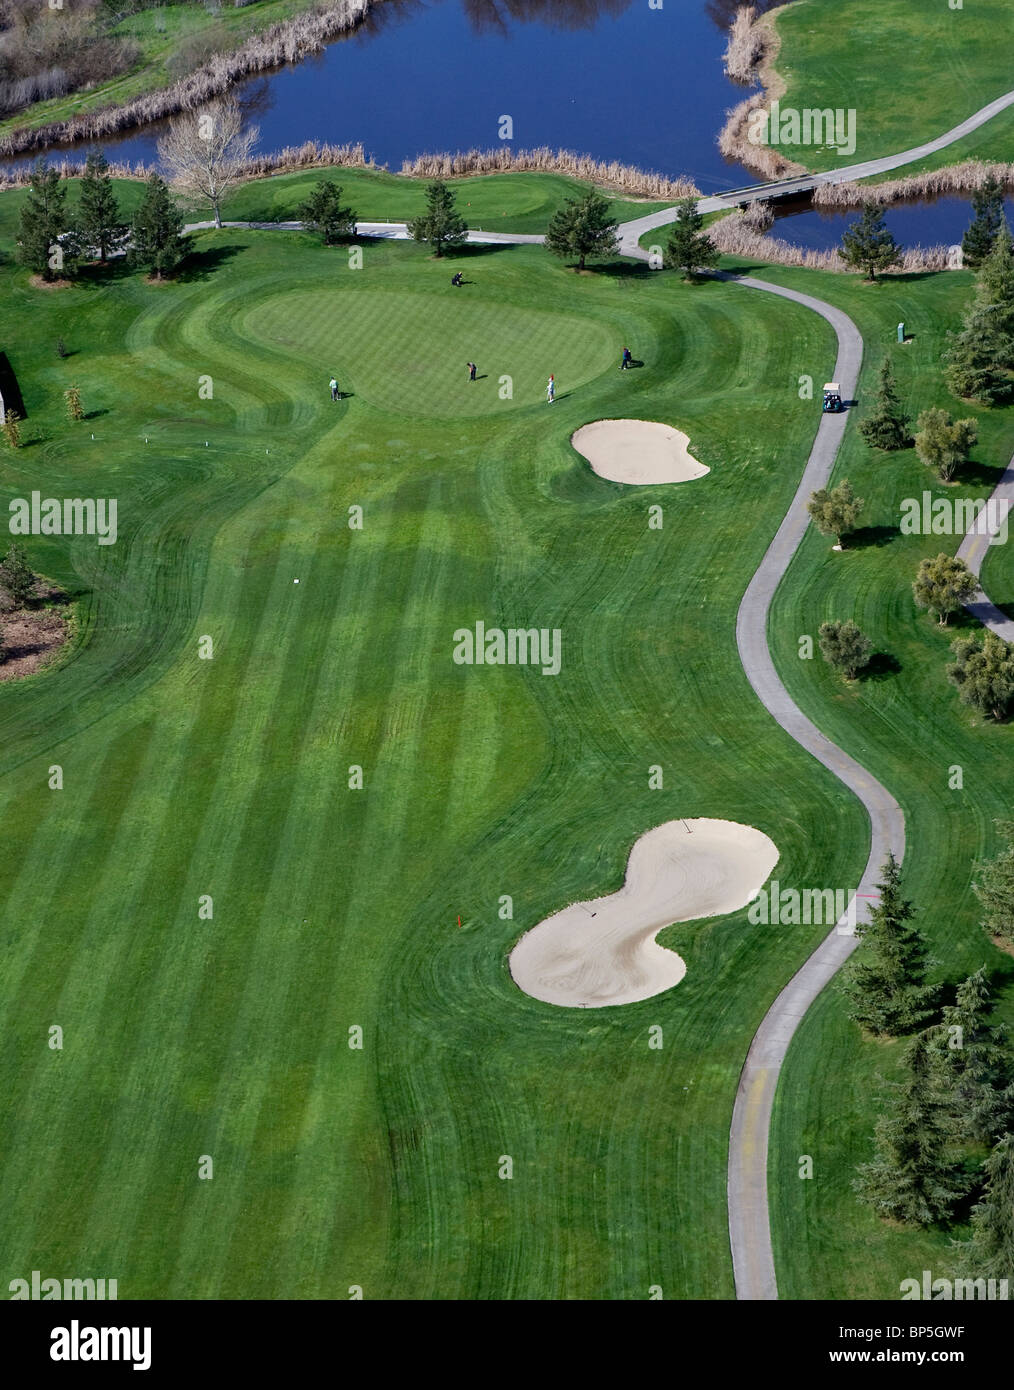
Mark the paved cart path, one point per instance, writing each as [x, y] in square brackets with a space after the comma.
[973, 551]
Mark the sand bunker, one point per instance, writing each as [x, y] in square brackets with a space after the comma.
[603, 951]
[638, 451]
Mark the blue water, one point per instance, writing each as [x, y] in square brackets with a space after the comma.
[612, 78]
[943, 222]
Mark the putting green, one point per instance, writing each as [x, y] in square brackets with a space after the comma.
[407, 352]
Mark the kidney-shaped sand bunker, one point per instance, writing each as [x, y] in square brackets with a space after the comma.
[637, 451]
[603, 951]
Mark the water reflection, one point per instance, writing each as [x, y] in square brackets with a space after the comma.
[486, 16]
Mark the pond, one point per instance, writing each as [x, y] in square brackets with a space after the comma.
[612, 78]
[942, 222]
[617, 79]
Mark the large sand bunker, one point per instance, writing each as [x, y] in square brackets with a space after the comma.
[637, 451]
[603, 951]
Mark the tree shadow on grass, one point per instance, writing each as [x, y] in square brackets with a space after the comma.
[910, 277]
[960, 624]
[9, 388]
[95, 275]
[976, 474]
[622, 270]
[737, 272]
[201, 265]
[470, 249]
[872, 535]
[880, 667]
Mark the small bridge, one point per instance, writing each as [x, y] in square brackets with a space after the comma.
[797, 184]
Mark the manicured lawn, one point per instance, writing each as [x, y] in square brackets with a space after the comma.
[336, 908]
[910, 71]
[333, 907]
[491, 202]
[522, 203]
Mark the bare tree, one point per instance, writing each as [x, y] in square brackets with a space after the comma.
[206, 151]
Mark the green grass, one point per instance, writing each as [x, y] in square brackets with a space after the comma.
[520, 203]
[334, 907]
[489, 202]
[910, 71]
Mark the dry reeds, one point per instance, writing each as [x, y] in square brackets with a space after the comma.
[734, 143]
[956, 181]
[734, 236]
[747, 45]
[311, 154]
[502, 160]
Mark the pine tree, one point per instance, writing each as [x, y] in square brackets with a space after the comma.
[884, 980]
[43, 221]
[994, 291]
[987, 205]
[323, 212]
[157, 231]
[990, 1252]
[972, 1065]
[74, 407]
[441, 224]
[995, 888]
[914, 1177]
[583, 227]
[16, 576]
[973, 366]
[98, 218]
[868, 245]
[689, 247]
[888, 427]
[981, 357]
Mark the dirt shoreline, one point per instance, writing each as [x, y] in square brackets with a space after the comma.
[733, 140]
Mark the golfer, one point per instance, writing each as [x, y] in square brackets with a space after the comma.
[551, 390]
[626, 359]
[334, 389]
[471, 371]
